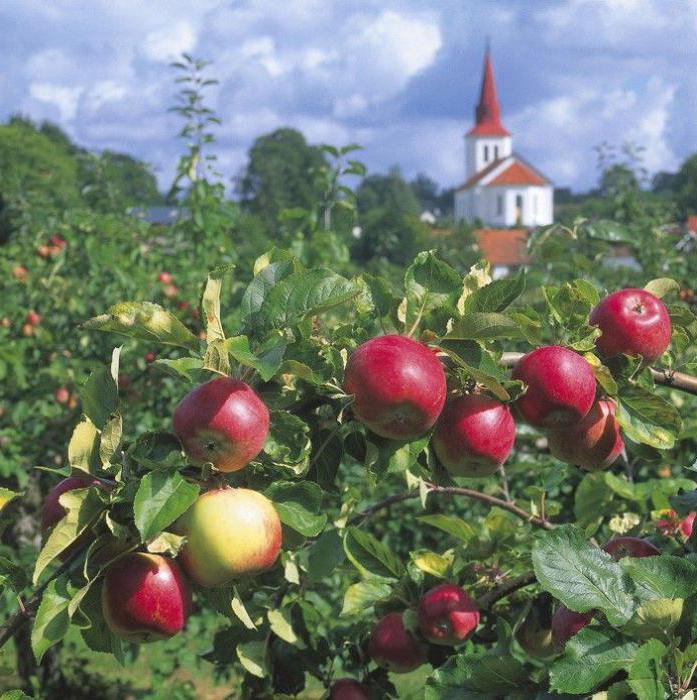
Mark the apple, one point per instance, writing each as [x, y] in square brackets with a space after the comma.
[229, 533]
[626, 546]
[348, 689]
[5, 322]
[391, 645]
[149, 357]
[447, 615]
[33, 319]
[687, 524]
[633, 322]
[57, 241]
[183, 305]
[62, 394]
[566, 623]
[145, 597]
[398, 386]
[474, 435]
[19, 272]
[171, 291]
[223, 422]
[165, 278]
[593, 443]
[27, 330]
[561, 387]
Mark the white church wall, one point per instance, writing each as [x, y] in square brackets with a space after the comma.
[481, 151]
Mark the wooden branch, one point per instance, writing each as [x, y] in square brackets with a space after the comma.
[663, 377]
[493, 596]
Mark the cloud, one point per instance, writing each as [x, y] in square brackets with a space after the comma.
[168, 43]
[64, 98]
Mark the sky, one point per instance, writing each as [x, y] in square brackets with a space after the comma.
[399, 77]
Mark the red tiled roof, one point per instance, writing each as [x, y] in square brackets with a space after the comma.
[474, 179]
[503, 246]
[691, 223]
[517, 173]
[488, 112]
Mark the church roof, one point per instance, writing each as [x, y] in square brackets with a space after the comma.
[512, 170]
[488, 112]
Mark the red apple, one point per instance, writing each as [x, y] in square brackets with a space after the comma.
[165, 278]
[633, 322]
[566, 623]
[447, 615]
[62, 394]
[392, 645]
[626, 546]
[687, 524]
[223, 422]
[474, 435]
[398, 386]
[145, 597]
[43, 251]
[57, 241]
[229, 533]
[348, 689]
[593, 443]
[561, 387]
[149, 357]
[33, 318]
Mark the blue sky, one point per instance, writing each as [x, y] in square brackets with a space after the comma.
[399, 77]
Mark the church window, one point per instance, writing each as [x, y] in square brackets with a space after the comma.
[499, 205]
[486, 154]
[496, 152]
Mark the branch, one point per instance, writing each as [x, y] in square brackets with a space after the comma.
[663, 377]
[510, 506]
[493, 596]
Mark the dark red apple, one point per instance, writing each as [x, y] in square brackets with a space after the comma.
[626, 546]
[474, 435]
[633, 322]
[348, 689]
[561, 387]
[447, 615]
[593, 443]
[223, 422]
[566, 623]
[392, 646]
[398, 386]
[145, 597]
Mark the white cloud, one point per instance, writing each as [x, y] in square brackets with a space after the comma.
[168, 43]
[61, 96]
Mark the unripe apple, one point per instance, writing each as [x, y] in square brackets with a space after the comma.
[223, 422]
[348, 689]
[627, 546]
[474, 435]
[165, 278]
[33, 318]
[229, 533]
[391, 645]
[633, 322]
[593, 443]
[62, 394]
[566, 623]
[398, 386]
[145, 597]
[447, 615]
[561, 387]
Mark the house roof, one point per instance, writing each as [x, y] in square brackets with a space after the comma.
[691, 223]
[503, 246]
[488, 112]
[474, 179]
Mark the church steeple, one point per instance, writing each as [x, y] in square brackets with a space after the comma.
[488, 112]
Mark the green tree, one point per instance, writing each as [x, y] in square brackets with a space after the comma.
[276, 177]
[685, 187]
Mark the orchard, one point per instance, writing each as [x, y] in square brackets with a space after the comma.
[247, 466]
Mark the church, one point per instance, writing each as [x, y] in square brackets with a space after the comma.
[500, 188]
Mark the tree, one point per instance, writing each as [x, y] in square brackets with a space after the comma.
[277, 174]
[685, 187]
[426, 191]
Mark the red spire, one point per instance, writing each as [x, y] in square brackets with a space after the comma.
[488, 112]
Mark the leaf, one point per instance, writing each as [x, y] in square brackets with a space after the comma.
[100, 394]
[7, 496]
[662, 577]
[252, 656]
[298, 505]
[326, 554]
[183, 367]
[495, 296]
[591, 657]
[437, 565]
[647, 674]
[267, 275]
[477, 677]
[52, 618]
[304, 294]
[12, 574]
[145, 321]
[216, 358]
[210, 303]
[83, 449]
[160, 499]
[592, 499]
[483, 326]
[157, 450]
[289, 443]
[266, 364]
[240, 611]
[662, 286]
[94, 628]
[110, 440]
[685, 503]
[582, 576]
[15, 695]
[83, 507]
[369, 556]
[655, 619]
[451, 524]
[281, 626]
[647, 418]
[361, 597]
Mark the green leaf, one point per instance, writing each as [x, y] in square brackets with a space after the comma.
[157, 450]
[252, 656]
[591, 657]
[477, 677]
[662, 286]
[145, 321]
[83, 449]
[369, 556]
[326, 554]
[655, 619]
[161, 498]
[647, 674]
[216, 358]
[582, 576]
[266, 363]
[210, 303]
[304, 294]
[52, 618]
[432, 563]
[361, 597]
[94, 628]
[495, 296]
[685, 503]
[451, 524]
[83, 507]
[483, 326]
[14, 575]
[662, 577]
[647, 418]
[282, 627]
[267, 273]
[7, 496]
[110, 440]
[100, 394]
[184, 367]
[15, 695]
[592, 499]
[298, 505]
[240, 611]
[289, 443]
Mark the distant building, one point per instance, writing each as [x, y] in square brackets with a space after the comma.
[505, 249]
[500, 188]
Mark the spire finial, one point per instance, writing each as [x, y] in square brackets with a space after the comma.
[487, 43]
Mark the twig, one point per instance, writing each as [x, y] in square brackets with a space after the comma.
[488, 599]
